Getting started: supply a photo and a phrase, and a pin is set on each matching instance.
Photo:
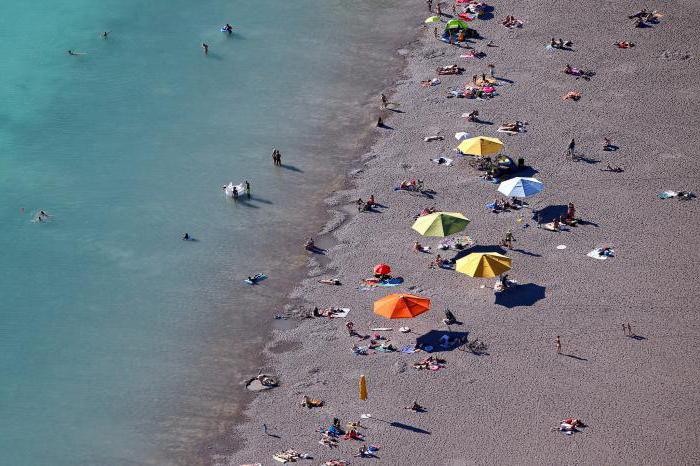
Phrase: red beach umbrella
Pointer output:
(382, 269)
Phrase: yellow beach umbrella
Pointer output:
(440, 224)
(480, 145)
(484, 264)
(363, 388)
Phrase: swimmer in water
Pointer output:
(104, 34)
(186, 237)
(228, 28)
(205, 47)
(70, 52)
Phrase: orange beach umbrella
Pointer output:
(401, 306)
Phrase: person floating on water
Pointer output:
(71, 52)
(205, 47)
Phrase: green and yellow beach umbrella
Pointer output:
(480, 145)
(433, 19)
(456, 24)
(440, 224)
(484, 264)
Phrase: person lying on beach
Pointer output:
(572, 95)
(328, 440)
(516, 127)
(610, 168)
(431, 362)
(417, 247)
(330, 281)
(450, 318)
(430, 82)
(510, 22)
(449, 69)
(642, 13)
(427, 211)
(415, 407)
(553, 225)
(624, 45)
(560, 43)
(359, 350)
(353, 435)
(311, 403)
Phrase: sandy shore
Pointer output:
(638, 396)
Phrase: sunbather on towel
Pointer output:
(311, 403)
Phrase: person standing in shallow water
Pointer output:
(247, 189)
(205, 47)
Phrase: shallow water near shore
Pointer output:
(120, 343)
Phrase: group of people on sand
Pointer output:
(366, 206)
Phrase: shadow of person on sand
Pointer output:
(572, 356)
(401, 425)
(291, 168)
(527, 253)
(521, 295)
(317, 250)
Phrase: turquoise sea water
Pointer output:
(120, 343)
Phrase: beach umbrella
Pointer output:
(382, 269)
(363, 388)
(401, 306)
(440, 224)
(484, 264)
(520, 187)
(480, 145)
(456, 24)
(433, 19)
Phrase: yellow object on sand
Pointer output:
(440, 224)
(484, 264)
(363, 388)
(480, 145)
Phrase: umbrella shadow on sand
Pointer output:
(549, 213)
(442, 340)
(522, 295)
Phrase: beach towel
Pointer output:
(668, 194)
(408, 349)
(391, 282)
(443, 161)
(595, 254)
(341, 313)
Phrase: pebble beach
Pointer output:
(637, 393)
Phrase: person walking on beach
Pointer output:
(571, 149)
(491, 68)
(247, 189)
(385, 102)
(508, 240)
(558, 343)
(350, 327)
(205, 47)
(438, 9)
(430, 4)
(435, 32)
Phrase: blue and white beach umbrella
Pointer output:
(520, 187)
